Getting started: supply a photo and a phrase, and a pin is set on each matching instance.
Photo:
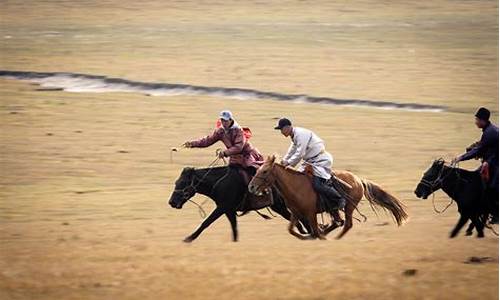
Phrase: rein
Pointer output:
(265, 180)
(193, 186)
(442, 210)
(491, 229)
(437, 182)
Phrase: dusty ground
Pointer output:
(85, 178)
(82, 219)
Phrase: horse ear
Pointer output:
(188, 171)
(273, 158)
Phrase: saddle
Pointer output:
(338, 184)
(485, 171)
(334, 181)
(254, 202)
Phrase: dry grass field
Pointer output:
(85, 177)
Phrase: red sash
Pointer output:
(485, 171)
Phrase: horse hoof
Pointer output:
(188, 239)
(468, 233)
(480, 235)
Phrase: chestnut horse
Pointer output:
(300, 197)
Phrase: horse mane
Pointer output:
(290, 170)
(449, 166)
(274, 157)
(464, 172)
(200, 171)
(210, 168)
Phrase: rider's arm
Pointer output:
(289, 153)
(300, 142)
(238, 143)
(486, 139)
(207, 141)
(471, 153)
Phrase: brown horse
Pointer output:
(301, 199)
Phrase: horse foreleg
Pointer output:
(332, 227)
(234, 224)
(214, 215)
(280, 208)
(291, 228)
(303, 226)
(313, 224)
(470, 229)
(461, 222)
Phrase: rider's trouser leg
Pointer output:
(492, 192)
(321, 186)
(245, 173)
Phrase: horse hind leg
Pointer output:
(347, 226)
(349, 209)
(336, 223)
(479, 226)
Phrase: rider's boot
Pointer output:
(324, 187)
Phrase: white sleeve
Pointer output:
(290, 152)
(300, 149)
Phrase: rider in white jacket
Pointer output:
(309, 148)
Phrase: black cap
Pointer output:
(483, 114)
(283, 122)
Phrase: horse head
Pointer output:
(431, 180)
(184, 188)
(264, 178)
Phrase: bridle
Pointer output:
(188, 191)
(192, 189)
(265, 179)
(433, 186)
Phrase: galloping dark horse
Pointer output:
(465, 187)
(226, 188)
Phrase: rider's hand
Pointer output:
(187, 145)
(221, 154)
(455, 160)
(284, 162)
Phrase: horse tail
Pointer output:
(379, 197)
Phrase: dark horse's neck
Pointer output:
(206, 179)
(453, 179)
